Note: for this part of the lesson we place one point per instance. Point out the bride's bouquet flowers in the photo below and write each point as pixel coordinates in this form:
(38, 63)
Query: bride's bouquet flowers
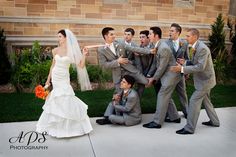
(41, 92)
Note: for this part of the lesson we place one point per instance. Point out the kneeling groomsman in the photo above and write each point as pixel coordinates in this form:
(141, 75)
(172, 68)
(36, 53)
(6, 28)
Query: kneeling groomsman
(124, 109)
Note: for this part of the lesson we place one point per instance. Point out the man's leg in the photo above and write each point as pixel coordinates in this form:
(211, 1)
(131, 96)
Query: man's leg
(210, 110)
(140, 90)
(172, 111)
(194, 110)
(183, 98)
(163, 100)
(115, 119)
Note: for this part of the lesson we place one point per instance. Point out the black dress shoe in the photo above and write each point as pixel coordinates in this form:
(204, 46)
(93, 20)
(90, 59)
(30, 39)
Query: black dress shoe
(152, 125)
(209, 123)
(183, 132)
(173, 121)
(185, 115)
(103, 121)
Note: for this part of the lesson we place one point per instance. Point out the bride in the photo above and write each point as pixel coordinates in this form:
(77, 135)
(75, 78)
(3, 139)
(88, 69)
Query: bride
(65, 115)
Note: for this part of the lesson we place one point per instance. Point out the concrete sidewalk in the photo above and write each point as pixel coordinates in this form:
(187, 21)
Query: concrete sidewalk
(120, 141)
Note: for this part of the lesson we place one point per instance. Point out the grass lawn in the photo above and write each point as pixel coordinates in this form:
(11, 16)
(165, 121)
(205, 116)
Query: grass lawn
(26, 107)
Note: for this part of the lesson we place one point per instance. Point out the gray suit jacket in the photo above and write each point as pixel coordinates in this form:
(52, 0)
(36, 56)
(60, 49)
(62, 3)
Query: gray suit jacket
(165, 59)
(182, 52)
(145, 62)
(202, 67)
(131, 109)
(108, 60)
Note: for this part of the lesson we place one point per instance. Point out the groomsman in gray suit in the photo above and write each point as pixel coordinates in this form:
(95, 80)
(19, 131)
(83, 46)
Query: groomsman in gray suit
(113, 56)
(179, 48)
(128, 36)
(125, 107)
(201, 65)
(145, 62)
(164, 60)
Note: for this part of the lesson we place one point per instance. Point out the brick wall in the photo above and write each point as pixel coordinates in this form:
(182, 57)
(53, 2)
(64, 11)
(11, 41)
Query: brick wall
(27, 20)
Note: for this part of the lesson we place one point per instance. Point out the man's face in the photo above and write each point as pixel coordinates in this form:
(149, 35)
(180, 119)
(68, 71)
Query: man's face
(191, 38)
(110, 37)
(124, 84)
(152, 36)
(173, 33)
(144, 40)
(128, 36)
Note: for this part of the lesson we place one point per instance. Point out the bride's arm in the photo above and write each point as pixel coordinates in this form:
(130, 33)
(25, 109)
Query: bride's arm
(82, 61)
(52, 65)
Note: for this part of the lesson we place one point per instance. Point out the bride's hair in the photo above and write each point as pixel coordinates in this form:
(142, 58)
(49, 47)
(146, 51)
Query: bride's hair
(62, 31)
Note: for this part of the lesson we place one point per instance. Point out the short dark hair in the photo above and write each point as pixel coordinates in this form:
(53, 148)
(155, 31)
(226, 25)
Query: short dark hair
(62, 31)
(194, 31)
(156, 31)
(130, 30)
(177, 27)
(106, 30)
(146, 32)
(129, 79)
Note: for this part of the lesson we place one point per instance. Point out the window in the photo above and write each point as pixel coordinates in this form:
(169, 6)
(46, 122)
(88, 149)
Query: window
(184, 3)
(115, 1)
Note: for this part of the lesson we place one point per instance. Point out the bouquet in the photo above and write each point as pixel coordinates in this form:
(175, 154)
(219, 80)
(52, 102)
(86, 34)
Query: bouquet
(41, 92)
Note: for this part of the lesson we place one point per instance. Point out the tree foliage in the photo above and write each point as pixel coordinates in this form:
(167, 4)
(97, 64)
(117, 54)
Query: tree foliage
(218, 48)
(217, 37)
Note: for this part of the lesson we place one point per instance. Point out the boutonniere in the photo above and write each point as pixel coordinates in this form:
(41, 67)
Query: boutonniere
(154, 51)
(193, 50)
(181, 44)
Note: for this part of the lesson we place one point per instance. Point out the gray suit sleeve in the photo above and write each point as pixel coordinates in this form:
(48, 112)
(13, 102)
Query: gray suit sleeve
(103, 61)
(137, 49)
(153, 67)
(138, 62)
(164, 61)
(201, 63)
(130, 103)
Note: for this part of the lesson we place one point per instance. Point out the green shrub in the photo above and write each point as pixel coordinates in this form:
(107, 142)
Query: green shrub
(218, 49)
(73, 74)
(217, 37)
(97, 74)
(220, 67)
(30, 68)
(232, 67)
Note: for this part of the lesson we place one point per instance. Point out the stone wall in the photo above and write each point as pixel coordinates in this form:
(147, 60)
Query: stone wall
(27, 20)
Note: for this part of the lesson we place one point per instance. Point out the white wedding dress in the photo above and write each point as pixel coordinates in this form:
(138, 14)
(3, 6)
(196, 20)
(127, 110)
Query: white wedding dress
(64, 114)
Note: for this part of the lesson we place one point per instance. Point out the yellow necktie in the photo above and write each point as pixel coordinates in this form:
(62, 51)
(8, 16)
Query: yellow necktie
(191, 52)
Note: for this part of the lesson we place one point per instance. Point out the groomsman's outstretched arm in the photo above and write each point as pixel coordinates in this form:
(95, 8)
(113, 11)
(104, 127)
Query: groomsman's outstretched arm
(140, 50)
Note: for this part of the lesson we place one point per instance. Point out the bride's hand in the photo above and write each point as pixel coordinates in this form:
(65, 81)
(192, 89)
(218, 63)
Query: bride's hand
(47, 84)
(85, 51)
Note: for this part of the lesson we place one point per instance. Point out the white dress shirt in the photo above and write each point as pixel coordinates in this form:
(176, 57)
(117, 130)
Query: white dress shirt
(111, 47)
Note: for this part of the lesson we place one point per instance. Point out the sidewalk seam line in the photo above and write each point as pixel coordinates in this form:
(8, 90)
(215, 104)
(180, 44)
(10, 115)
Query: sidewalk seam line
(92, 145)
